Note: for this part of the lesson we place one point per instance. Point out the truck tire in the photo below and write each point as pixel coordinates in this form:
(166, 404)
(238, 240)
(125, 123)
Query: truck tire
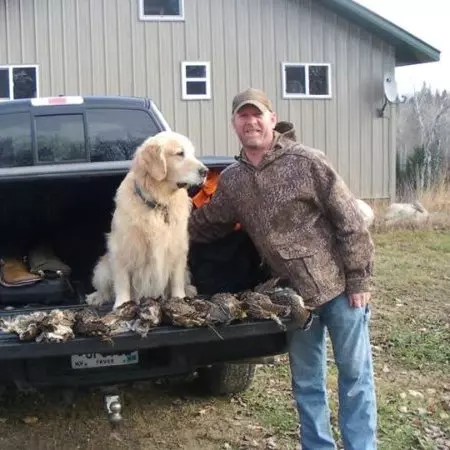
(225, 379)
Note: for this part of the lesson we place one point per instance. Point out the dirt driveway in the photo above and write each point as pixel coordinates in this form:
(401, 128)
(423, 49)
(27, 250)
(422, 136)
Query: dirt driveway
(155, 417)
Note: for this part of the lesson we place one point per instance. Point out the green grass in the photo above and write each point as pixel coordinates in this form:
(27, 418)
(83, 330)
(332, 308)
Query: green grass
(411, 338)
(421, 350)
(398, 433)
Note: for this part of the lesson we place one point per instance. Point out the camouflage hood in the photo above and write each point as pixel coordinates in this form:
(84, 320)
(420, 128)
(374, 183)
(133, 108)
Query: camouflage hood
(286, 129)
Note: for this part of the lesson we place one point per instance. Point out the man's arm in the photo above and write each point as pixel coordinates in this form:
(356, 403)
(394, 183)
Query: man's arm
(214, 219)
(355, 243)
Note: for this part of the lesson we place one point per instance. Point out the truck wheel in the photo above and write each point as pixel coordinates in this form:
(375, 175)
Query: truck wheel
(226, 379)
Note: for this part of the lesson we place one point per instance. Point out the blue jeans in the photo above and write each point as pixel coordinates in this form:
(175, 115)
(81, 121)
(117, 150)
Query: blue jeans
(349, 334)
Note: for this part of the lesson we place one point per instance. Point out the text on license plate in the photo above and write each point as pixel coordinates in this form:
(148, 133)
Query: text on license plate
(93, 360)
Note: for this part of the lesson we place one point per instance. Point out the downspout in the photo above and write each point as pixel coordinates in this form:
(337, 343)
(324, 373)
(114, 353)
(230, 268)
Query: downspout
(392, 151)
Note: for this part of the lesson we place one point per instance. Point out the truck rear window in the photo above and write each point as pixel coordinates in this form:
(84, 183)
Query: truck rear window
(60, 138)
(111, 135)
(114, 134)
(15, 140)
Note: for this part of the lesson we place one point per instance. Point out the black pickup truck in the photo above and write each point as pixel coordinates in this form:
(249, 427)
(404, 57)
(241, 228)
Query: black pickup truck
(61, 160)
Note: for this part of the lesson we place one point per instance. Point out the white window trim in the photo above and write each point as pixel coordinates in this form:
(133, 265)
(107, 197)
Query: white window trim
(11, 79)
(184, 80)
(306, 65)
(166, 18)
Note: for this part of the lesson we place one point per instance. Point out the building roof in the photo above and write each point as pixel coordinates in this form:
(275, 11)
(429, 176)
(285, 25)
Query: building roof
(409, 49)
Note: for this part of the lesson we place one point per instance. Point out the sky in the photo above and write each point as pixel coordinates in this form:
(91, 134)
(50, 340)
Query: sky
(429, 21)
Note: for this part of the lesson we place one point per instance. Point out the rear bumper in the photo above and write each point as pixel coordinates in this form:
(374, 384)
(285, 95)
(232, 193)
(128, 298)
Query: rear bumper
(166, 351)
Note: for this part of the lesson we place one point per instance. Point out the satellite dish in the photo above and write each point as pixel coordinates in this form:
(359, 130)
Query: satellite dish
(390, 88)
(390, 91)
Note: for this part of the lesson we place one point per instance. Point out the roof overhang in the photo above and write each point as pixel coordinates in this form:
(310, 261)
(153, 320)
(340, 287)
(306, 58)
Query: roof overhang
(408, 48)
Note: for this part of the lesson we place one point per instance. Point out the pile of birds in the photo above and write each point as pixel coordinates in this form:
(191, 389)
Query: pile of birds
(268, 300)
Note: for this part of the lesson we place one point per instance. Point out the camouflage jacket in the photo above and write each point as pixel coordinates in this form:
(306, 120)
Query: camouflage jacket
(301, 216)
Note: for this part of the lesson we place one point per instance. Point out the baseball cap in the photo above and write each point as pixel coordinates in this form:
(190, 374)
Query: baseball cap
(253, 97)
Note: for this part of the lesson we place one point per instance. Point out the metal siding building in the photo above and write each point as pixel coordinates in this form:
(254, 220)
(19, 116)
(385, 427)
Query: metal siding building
(102, 47)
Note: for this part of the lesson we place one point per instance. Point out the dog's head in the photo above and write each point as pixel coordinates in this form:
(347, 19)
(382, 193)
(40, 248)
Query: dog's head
(169, 157)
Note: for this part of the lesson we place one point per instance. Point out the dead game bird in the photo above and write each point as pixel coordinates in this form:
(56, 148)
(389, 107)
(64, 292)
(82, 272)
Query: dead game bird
(127, 311)
(121, 319)
(259, 306)
(26, 326)
(89, 323)
(287, 296)
(202, 307)
(41, 326)
(150, 311)
(211, 313)
(57, 326)
(177, 311)
(150, 316)
(230, 308)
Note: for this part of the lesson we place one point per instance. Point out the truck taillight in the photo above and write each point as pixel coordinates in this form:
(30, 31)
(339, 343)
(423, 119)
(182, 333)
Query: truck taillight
(63, 100)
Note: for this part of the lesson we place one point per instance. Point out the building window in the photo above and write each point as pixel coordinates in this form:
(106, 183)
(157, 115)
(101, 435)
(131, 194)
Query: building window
(18, 82)
(195, 80)
(161, 9)
(306, 80)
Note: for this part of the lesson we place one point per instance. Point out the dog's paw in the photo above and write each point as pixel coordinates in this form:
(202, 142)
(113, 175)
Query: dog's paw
(191, 291)
(120, 301)
(178, 293)
(95, 299)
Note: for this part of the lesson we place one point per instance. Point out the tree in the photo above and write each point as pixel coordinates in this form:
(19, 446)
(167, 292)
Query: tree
(424, 139)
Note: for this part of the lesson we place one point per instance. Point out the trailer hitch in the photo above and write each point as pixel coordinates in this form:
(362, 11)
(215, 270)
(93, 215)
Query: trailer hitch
(113, 408)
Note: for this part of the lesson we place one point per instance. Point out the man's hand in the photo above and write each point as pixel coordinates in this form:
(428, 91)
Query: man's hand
(359, 300)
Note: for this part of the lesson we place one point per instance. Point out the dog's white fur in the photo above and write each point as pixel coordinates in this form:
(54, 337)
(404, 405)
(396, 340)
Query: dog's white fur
(147, 256)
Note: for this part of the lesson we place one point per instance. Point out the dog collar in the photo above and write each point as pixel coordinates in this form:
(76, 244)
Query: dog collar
(152, 204)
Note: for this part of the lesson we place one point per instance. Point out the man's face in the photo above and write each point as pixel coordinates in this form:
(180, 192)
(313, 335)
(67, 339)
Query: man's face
(253, 127)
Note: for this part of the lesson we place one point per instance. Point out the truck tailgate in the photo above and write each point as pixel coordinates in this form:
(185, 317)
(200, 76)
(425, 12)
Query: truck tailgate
(163, 336)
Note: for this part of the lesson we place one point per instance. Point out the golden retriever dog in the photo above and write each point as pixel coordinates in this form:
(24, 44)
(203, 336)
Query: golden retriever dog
(148, 242)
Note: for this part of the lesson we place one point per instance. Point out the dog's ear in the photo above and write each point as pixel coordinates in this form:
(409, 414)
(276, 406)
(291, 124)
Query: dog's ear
(157, 165)
(151, 160)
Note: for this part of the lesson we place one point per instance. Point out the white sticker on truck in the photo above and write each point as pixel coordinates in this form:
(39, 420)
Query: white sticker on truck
(96, 360)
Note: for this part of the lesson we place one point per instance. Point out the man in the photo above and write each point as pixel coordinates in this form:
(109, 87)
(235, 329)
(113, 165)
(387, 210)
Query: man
(306, 225)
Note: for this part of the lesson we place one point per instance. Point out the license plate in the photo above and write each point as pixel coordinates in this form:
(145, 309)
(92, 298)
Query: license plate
(96, 360)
